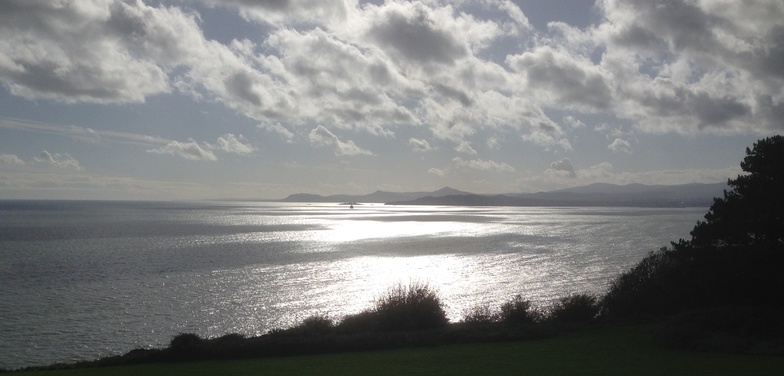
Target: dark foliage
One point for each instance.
(652, 287)
(573, 309)
(313, 325)
(734, 257)
(412, 307)
(480, 315)
(752, 213)
(186, 346)
(363, 322)
(518, 311)
(738, 329)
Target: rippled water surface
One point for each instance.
(81, 280)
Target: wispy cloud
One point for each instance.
(190, 150)
(83, 133)
(482, 165)
(58, 160)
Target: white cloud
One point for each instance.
(419, 145)
(482, 165)
(573, 122)
(437, 172)
(321, 12)
(189, 150)
(562, 167)
(688, 67)
(10, 160)
(85, 51)
(620, 146)
(282, 131)
(58, 160)
(321, 136)
(232, 144)
(465, 147)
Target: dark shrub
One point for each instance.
(311, 326)
(652, 287)
(577, 308)
(186, 345)
(480, 314)
(412, 307)
(518, 311)
(318, 324)
(363, 322)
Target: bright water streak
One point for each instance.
(81, 280)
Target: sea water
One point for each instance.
(80, 280)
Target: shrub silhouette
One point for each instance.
(577, 308)
(186, 346)
(363, 322)
(518, 311)
(412, 307)
(480, 314)
(313, 325)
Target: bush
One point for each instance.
(317, 324)
(312, 326)
(186, 345)
(652, 287)
(412, 307)
(480, 314)
(577, 308)
(364, 322)
(518, 311)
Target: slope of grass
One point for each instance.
(608, 351)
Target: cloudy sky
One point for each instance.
(193, 99)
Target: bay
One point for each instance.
(81, 280)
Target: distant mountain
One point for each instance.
(375, 197)
(632, 195)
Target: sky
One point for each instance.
(244, 99)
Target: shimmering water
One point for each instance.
(81, 280)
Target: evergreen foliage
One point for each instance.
(752, 213)
(734, 257)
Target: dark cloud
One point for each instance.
(453, 93)
(573, 82)
(771, 59)
(416, 37)
(240, 85)
(273, 5)
(717, 111)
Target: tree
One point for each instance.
(734, 258)
(752, 212)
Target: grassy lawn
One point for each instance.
(614, 351)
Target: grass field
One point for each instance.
(613, 351)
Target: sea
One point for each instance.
(80, 280)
